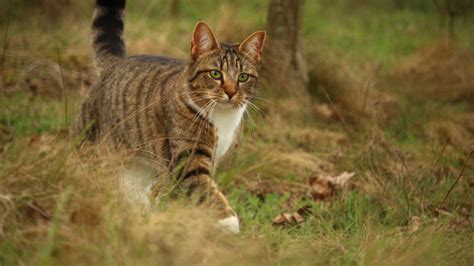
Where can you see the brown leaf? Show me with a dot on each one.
(286, 219)
(341, 181)
(324, 187)
(304, 211)
(463, 223)
(297, 218)
(321, 188)
(282, 219)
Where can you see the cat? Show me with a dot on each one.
(180, 115)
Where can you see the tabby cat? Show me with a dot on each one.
(183, 115)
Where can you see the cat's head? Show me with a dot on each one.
(223, 73)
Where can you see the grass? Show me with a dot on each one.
(59, 205)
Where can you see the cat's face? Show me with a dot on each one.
(223, 74)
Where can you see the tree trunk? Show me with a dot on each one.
(284, 68)
(451, 19)
(175, 8)
(448, 11)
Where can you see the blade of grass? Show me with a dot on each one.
(54, 226)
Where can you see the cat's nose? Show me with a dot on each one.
(230, 91)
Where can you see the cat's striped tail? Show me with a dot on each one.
(107, 32)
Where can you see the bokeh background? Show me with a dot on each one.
(362, 136)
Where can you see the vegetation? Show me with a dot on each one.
(391, 101)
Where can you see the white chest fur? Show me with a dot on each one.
(226, 121)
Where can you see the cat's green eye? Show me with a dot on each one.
(243, 77)
(215, 74)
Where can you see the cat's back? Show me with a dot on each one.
(157, 59)
(128, 96)
(141, 73)
(134, 67)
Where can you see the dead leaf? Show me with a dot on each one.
(282, 219)
(341, 181)
(463, 223)
(460, 223)
(286, 219)
(321, 188)
(304, 211)
(297, 218)
(324, 187)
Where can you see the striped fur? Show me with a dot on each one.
(163, 108)
(107, 32)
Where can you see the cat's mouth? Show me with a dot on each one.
(226, 104)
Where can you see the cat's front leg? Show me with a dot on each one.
(192, 172)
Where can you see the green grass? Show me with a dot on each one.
(403, 165)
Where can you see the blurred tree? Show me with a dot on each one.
(286, 67)
(286, 70)
(54, 8)
(449, 11)
(175, 8)
(399, 4)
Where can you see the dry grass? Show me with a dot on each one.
(442, 72)
(76, 209)
(61, 205)
(354, 94)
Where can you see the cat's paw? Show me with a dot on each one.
(229, 224)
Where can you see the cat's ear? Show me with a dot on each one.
(203, 40)
(252, 46)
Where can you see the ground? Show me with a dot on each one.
(391, 110)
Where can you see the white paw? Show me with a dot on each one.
(230, 224)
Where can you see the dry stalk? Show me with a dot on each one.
(457, 180)
(346, 127)
(64, 87)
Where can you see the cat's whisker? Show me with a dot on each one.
(201, 112)
(262, 99)
(260, 115)
(250, 118)
(256, 108)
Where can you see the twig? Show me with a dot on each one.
(457, 180)
(5, 44)
(64, 87)
(337, 112)
(34, 206)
